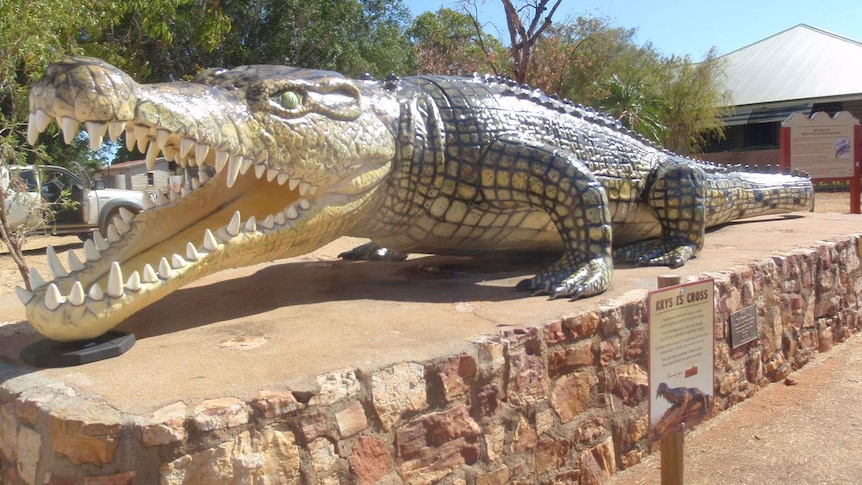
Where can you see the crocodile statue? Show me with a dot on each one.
(289, 159)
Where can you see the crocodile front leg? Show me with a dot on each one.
(678, 196)
(551, 179)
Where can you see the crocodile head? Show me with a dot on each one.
(285, 159)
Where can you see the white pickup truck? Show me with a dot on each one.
(78, 205)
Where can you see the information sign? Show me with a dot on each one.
(743, 326)
(680, 356)
(822, 145)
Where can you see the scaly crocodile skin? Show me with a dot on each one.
(290, 159)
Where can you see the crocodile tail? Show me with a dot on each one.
(739, 195)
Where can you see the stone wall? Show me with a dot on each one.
(565, 402)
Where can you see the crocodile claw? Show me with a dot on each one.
(589, 279)
(671, 253)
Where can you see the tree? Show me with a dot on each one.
(631, 103)
(672, 101)
(31, 34)
(349, 36)
(694, 93)
(450, 42)
(155, 40)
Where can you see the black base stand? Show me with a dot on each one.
(50, 353)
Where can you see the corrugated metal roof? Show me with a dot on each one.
(800, 63)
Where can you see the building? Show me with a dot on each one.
(134, 175)
(800, 69)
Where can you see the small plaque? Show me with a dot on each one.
(743, 326)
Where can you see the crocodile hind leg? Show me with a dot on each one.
(552, 180)
(678, 196)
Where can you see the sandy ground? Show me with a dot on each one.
(34, 250)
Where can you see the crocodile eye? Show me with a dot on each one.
(290, 100)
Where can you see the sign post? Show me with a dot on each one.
(680, 366)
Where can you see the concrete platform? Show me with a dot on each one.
(281, 325)
(188, 395)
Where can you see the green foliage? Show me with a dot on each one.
(446, 42)
(672, 101)
(695, 97)
(155, 40)
(632, 104)
(349, 36)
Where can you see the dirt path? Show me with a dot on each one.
(807, 433)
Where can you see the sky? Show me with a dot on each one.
(685, 27)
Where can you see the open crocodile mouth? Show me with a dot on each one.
(237, 211)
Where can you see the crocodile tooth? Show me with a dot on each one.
(53, 298)
(220, 160)
(152, 154)
(259, 170)
(96, 131)
(134, 282)
(201, 152)
(115, 281)
(90, 251)
(100, 242)
(75, 263)
(36, 280)
(32, 130)
(77, 296)
(115, 129)
(126, 214)
(146, 200)
(282, 178)
(210, 241)
(184, 191)
(23, 295)
(271, 174)
(234, 164)
(114, 234)
(186, 146)
(196, 183)
(163, 199)
(178, 262)
(233, 225)
(165, 270)
(42, 119)
(203, 176)
(293, 184)
(192, 253)
(246, 164)
(291, 213)
(150, 275)
(162, 137)
(303, 188)
(192, 161)
(269, 222)
(55, 264)
(142, 137)
(251, 224)
(131, 140)
(170, 153)
(96, 293)
(304, 204)
(70, 128)
(122, 225)
(280, 219)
